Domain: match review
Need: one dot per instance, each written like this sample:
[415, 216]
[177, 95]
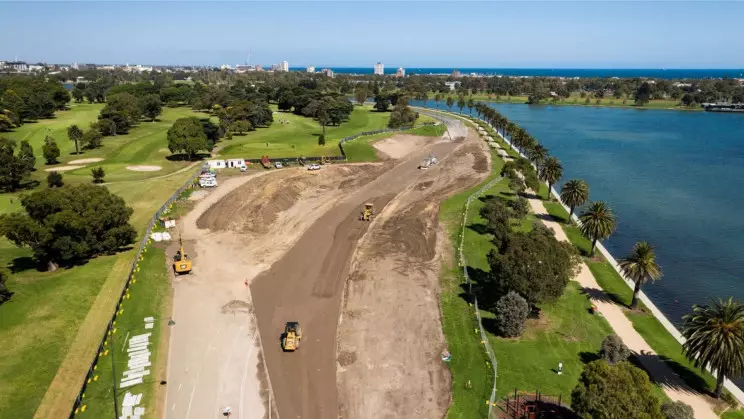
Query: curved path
[306, 285]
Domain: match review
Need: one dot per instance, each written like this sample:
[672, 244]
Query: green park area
[574, 99]
[565, 332]
[54, 322]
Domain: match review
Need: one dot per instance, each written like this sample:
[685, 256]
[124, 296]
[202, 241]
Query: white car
[313, 166]
[243, 168]
[278, 165]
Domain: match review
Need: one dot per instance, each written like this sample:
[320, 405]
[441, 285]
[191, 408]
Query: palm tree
[640, 266]
[715, 338]
[461, 102]
[574, 193]
[551, 172]
[75, 134]
[597, 223]
[537, 155]
[470, 105]
[437, 98]
[450, 102]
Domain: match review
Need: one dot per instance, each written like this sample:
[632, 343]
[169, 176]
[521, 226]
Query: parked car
[278, 165]
[313, 166]
[243, 168]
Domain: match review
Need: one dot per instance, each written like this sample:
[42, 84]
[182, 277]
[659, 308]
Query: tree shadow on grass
[479, 228]
[670, 373]
[587, 357]
[186, 157]
[602, 296]
[23, 263]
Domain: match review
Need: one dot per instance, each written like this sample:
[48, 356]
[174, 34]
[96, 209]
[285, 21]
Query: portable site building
[235, 163]
[216, 164]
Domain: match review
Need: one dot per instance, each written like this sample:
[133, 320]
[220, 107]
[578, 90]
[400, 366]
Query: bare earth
[86, 161]
[277, 246]
[144, 168]
[390, 335]
[63, 168]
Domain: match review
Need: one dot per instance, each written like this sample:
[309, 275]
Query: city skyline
[560, 35]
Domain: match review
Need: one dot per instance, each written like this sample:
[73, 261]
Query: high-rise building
[284, 66]
[379, 69]
[401, 72]
[327, 72]
[455, 73]
[310, 69]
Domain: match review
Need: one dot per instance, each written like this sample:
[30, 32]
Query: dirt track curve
[306, 284]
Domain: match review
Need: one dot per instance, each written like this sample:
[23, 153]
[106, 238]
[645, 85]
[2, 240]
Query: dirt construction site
[288, 245]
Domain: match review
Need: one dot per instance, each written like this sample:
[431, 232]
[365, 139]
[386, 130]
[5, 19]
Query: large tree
[402, 116]
[597, 223]
[13, 168]
[26, 154]
[70, 224]
[551, 172]
[450, 102]
[574, 193]
[615, 391]
[187, 136]
[74, 133]
[640, 266]
[151, 107]
[50, 150]
[643, 94]
[535, 265]
[715, 339]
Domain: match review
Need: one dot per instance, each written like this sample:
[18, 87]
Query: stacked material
[129, 407]
[139, 357]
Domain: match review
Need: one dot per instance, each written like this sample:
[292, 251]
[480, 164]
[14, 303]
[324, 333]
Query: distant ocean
[557, 72]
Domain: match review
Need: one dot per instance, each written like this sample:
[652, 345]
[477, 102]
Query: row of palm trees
[714, 333]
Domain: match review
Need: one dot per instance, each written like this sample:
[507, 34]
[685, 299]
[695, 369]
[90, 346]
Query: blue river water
[557, 72]
[672, 178]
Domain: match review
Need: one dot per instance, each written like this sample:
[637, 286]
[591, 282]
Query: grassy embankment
[577, 100]
[59, 317]
[566, 332]
[643, 321]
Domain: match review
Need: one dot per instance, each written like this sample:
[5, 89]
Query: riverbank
[667, 345]
[574, 100]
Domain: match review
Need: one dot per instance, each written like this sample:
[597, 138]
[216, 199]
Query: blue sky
[411, 34]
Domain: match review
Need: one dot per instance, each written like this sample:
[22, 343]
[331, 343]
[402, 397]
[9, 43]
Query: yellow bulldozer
[367, 212]
[181, 261]
[291, 337]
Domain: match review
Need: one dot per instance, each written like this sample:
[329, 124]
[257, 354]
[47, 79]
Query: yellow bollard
[95, 378]
[105, 352]
[82, 409]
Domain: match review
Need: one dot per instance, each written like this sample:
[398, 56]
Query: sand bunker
[144, 168]
[86, 161]
[399, 146]
[63, 168]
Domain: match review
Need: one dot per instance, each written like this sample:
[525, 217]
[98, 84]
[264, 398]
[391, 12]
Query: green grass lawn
[361, 149]
[577, 100]
[145, 298]
[299, 137]
[643, 321]
[40, 323]
[734, 414]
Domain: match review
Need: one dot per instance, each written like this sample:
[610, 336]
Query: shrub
[520, 208]
[511, 313]
[5, 293]
[321, 139]
[54, 179]
[614, 350]
[98, 174]
[677, 410]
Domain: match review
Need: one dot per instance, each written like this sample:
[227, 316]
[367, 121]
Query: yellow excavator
[367, 212]
[181, 261]
[291, 337]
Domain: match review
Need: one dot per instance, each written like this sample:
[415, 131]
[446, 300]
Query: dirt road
[390, 335]
[305, 285]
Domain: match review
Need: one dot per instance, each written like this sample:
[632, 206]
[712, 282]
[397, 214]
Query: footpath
[670, 382]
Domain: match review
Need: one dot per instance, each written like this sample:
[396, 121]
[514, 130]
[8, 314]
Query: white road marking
[174, 406]
[196, 380]
[179, 386]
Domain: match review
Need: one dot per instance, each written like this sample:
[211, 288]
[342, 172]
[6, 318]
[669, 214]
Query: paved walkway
[670, 382]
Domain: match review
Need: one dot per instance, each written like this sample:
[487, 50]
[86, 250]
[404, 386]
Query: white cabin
[216, 164]
[235, 163]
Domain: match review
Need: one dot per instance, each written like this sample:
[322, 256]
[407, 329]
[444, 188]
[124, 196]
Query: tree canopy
[70, 224]
[14, 167]
[187, 136]
[611, 391]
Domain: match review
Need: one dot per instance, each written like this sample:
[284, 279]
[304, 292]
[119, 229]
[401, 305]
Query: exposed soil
[144, 168]
[278, 246]
[390, 336]
[85, 161]
[63, 168]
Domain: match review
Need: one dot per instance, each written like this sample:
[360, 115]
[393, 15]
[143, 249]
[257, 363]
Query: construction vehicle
[301, 161]
[265, 162]
[428, 162]
[181, 261]
[325, 160]
[291, 336]
[367, 212]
